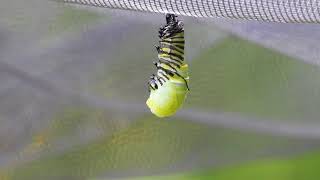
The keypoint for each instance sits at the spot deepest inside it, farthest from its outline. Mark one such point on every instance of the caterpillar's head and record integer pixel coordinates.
(167, 99)
(173, 26)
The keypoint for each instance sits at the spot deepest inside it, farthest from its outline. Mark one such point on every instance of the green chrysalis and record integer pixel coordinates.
(169, 87)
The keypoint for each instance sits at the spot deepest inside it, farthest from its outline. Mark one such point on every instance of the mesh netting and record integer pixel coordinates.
(287, 11)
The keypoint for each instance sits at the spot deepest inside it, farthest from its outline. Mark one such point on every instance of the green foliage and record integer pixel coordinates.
(303, 167)
(147, 144)
(238, 76)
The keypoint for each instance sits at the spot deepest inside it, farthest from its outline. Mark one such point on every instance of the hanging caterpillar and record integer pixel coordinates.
(169, 86)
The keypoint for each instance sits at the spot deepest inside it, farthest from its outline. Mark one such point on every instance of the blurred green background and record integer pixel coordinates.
(73, 91)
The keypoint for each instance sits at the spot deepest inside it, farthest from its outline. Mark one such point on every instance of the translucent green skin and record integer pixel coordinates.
(168, 98)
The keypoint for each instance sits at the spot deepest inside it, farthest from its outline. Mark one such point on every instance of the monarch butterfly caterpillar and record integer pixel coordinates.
(169, 86)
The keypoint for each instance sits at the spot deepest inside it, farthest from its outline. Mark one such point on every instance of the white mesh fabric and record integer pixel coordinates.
(287, 11)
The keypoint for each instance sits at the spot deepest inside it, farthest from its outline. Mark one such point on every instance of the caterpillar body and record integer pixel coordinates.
(169, 86)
